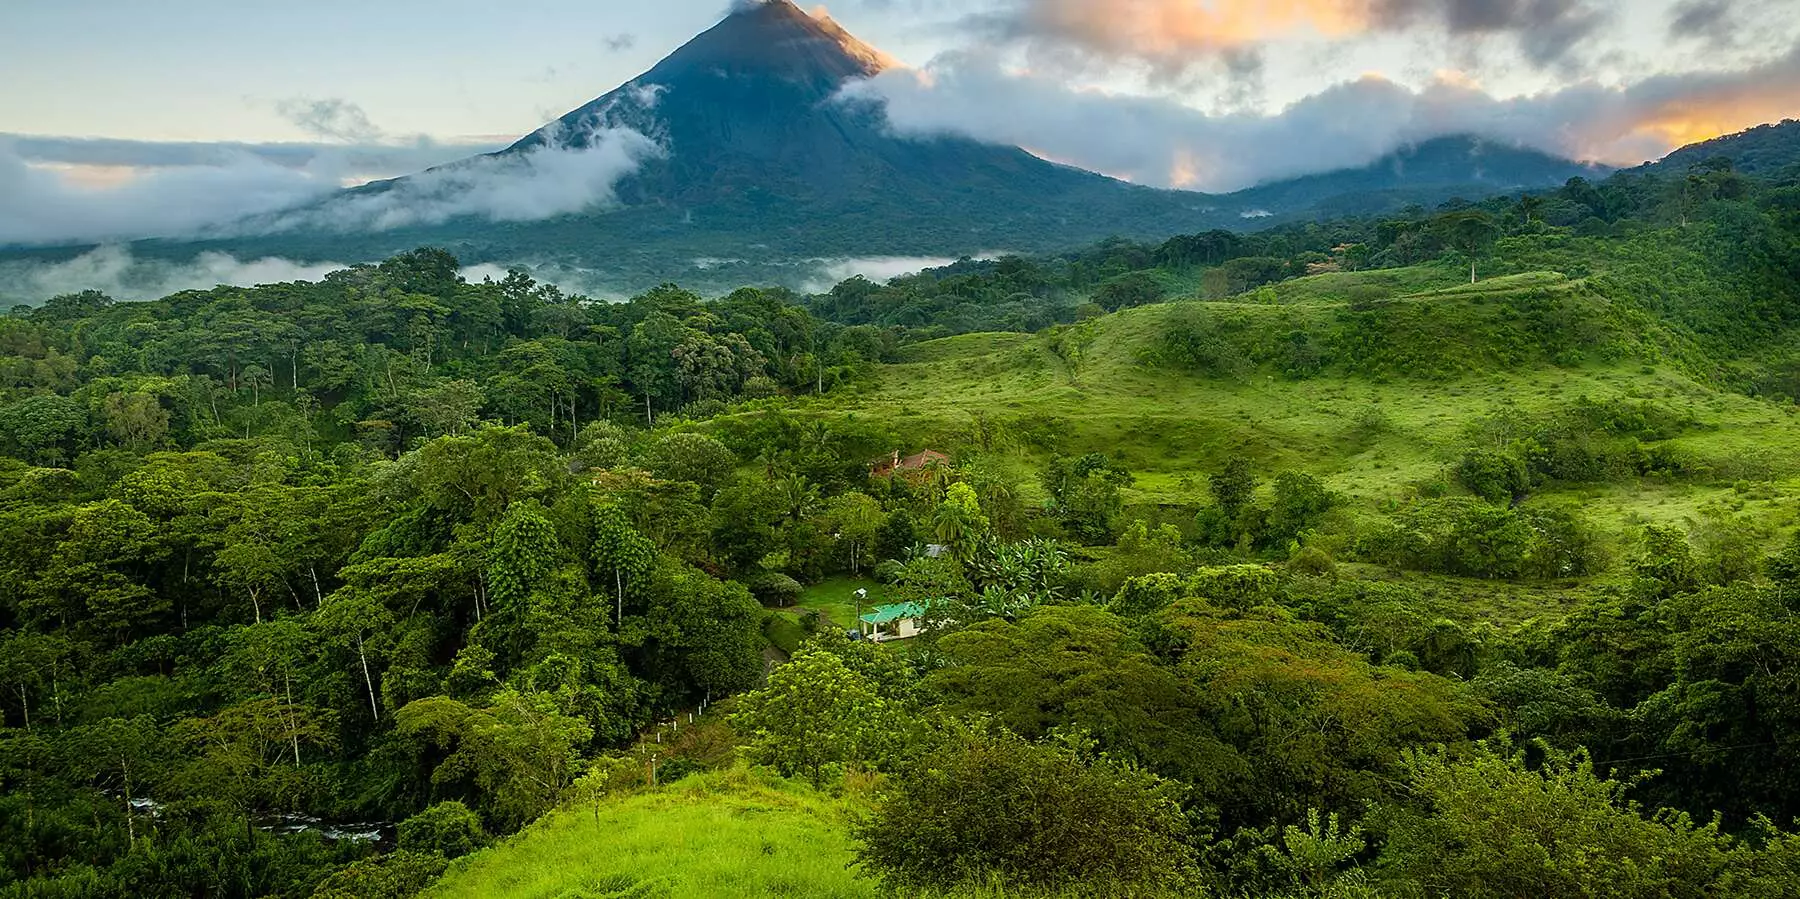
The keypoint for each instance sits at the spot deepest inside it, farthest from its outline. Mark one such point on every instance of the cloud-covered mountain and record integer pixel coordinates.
(759, 140)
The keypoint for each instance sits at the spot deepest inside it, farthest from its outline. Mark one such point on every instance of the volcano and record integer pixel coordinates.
(752, 121)
(747, 153)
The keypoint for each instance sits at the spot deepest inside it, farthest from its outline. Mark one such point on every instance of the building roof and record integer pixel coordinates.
(916, 462)
(886, 614)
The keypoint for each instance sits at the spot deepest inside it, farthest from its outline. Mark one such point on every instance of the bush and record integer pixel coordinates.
(694, 458)
(988, 805)
(1467, 538)
(1312, 561)
(772, 588)
(398, 875)
(1489, 825)
(1495, 477)
(449, 829)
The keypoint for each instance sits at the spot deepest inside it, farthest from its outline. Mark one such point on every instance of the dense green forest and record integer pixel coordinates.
(1285, 564)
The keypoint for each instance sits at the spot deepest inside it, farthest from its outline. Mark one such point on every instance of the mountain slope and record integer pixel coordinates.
(1763, 150)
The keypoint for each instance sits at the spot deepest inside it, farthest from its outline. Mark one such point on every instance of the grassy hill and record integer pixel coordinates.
(730, 833)
(1398, 366)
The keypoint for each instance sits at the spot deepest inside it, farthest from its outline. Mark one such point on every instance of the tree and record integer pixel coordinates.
(987, 804)
(1493, 476)
(622, 556)
(709, 632)
(815, 716)
(1485, 824)
(1299, 501)
(45, 428)
(519, 750)
(1233, 487)
(653, 371)
(136, 420)
(1076, 667)
(350, 618)
(523, 553)
(745, 518)
(694, 458)
(959, 522)
(117, 754)
(250, 755)
(1471, 233)
(1085, 492)
(856, 522)
(448, 408)
(95, 579)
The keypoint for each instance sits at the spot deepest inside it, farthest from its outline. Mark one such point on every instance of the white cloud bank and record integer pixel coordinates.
(559, 177)
(1159, 141)
(64, 191)
(118, 273)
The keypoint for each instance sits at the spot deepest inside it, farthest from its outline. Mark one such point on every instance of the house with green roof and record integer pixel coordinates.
(901, 621)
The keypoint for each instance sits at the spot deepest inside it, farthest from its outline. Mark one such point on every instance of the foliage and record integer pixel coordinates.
(816, 717)
(449, 829)
(990, 803)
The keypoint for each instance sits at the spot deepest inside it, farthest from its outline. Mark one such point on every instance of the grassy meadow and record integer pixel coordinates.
(1377, 436)
(729, 833)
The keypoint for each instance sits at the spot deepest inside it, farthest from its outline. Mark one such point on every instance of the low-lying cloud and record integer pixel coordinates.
(559, 177)
(1159, 141)
(122, 275)
(76, 190)
(57, 190)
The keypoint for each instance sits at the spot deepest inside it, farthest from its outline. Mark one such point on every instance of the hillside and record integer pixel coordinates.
(1764, 150)
(1232, 531)
(1370, 381)
(730, 833)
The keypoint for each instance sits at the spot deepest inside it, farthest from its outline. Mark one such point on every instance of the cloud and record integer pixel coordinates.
(830, 273)
(331, 119)
(563, 175)
(116, 272)
(1712, 22)
(619, 43)
(1156, 140)
(1172, 37)
(41, 205)
(72, 190)
(79, 190)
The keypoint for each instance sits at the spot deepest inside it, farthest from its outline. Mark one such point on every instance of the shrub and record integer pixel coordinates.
(448, 828)
(988, 805)
(772, 588)
(1495, 477)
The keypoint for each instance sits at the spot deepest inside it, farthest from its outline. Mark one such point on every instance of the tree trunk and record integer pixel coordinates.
(649, 420)
(25, 707)
(293, 720)
(619, 588)
(367, 680)
(130, 822)
(1471, 271)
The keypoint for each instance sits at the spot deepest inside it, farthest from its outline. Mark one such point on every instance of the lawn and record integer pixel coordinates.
(835, 599)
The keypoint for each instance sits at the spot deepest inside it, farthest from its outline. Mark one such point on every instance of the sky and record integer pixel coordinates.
(123, 118)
